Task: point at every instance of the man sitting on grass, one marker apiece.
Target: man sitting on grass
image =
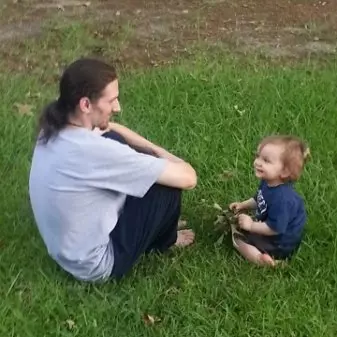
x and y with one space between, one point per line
101 201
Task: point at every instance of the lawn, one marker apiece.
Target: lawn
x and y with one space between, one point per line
211 111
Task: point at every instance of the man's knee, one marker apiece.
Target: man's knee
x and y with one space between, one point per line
161 192
114 136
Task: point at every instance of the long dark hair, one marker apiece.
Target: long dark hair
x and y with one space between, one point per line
83 78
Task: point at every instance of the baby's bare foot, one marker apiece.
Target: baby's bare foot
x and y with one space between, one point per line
267 260
185 238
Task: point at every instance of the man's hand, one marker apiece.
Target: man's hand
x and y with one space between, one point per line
245 222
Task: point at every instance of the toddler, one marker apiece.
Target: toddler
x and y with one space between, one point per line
279 210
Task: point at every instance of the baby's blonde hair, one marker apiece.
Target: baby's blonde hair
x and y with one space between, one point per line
294 156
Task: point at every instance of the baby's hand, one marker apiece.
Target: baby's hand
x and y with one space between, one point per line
245 222
235 207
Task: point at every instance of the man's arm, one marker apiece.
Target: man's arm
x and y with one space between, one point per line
177 172
179 175
141 144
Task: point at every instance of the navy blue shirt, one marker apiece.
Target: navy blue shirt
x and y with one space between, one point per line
282 209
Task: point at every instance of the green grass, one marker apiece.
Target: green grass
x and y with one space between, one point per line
207 290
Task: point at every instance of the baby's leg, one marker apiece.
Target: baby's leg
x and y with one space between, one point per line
252 254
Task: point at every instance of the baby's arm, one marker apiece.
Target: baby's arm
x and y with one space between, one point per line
258 227
249 204
262 228
276 222
244 205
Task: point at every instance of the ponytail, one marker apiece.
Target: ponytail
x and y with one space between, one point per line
53 118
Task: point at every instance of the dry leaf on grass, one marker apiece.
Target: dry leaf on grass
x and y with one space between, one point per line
182 223
219 219
240 112
33 95
226 174
217 206
70 324
220 240
150 320
223 222
24 109
172 290
62 4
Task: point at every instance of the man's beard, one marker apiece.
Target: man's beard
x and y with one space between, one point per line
104 123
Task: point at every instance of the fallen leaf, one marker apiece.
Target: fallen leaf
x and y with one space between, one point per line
171 290
24 109
226 175
220 240
240 112
220 219
182 223
70 324
150 320
154 63
221 225
224 221
33 95
62 4
217 206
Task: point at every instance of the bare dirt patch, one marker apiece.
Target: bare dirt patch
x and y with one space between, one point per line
162 30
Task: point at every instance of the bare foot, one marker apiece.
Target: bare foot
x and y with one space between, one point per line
266 259
185 238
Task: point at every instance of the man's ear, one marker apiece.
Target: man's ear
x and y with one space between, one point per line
84 105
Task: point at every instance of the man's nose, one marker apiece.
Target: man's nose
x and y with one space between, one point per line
116 106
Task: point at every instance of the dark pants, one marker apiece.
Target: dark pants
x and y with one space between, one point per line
265 244
146 224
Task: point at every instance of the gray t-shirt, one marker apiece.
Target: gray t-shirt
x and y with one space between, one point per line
78 186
